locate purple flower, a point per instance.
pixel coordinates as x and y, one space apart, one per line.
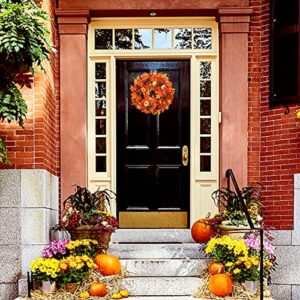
55 249
253 242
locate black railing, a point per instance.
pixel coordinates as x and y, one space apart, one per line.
230 177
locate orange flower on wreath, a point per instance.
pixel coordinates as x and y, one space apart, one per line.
152 93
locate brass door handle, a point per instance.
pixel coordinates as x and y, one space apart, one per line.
185 155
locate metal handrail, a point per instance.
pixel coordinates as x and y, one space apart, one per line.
230 175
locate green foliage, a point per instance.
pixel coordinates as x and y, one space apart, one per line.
24 44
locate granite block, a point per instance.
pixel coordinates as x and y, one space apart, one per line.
8 291
281 292
10 192
10 226
297 181
35 188
28 253
282 237
10 263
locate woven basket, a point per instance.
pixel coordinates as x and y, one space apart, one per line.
90 232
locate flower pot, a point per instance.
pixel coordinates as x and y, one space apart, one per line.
235 232
48 287
71 287
91 232
251 286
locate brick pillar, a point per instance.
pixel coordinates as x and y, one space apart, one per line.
73 25
234 29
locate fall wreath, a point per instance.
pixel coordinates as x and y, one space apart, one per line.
152 93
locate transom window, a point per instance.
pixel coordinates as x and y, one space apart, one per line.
198 38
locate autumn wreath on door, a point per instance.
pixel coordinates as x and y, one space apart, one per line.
152 93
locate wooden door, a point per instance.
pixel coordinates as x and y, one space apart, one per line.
152 182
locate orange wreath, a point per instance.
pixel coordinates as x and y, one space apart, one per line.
152 93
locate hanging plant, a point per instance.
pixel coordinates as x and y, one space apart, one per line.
152 93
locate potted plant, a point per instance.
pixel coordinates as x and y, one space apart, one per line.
87 216
46 271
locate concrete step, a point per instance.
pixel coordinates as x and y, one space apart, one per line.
161 286
152 236
140 251
163 267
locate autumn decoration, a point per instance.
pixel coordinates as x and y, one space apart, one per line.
108 264
201 231
152 93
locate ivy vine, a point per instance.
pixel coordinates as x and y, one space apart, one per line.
25 42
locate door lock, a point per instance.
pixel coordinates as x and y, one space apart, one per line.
185 155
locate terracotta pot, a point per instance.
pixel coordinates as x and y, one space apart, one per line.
71 287
48 287
235 232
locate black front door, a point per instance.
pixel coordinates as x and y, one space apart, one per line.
152 180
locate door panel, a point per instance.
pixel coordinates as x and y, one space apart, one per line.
150 174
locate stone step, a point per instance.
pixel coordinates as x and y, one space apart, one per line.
175 251
152 236
161 286
163 267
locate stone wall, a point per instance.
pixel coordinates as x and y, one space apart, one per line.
286 280
28 209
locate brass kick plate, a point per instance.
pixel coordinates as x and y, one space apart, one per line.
155 219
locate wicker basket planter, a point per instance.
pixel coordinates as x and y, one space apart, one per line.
90 232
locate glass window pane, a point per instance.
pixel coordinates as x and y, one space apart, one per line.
100 126
205 144
205 107
205 69
205 163
143 39
202 38
103 39
205 88
205 126
100 145
100 108
100 70
123 38
162 38
183 38
100 90
100 164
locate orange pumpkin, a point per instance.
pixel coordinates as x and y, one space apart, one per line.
220 285
216 268
201 232
97 289
108 264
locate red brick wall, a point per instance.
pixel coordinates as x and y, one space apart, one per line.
37 146
274 137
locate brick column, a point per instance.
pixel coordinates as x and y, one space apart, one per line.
73 26
234 28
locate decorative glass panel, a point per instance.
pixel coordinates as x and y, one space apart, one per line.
100 145
205 144
205 163
103 39
162 38
143 39
205 126
100 108
100 164
100 90
183 38
100 126
205 89
205 108
123 39
205 69
100 70
202 38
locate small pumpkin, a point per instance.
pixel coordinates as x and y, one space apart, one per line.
108 264
220 285
84 295
201 231
116 296
97 289
216 268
